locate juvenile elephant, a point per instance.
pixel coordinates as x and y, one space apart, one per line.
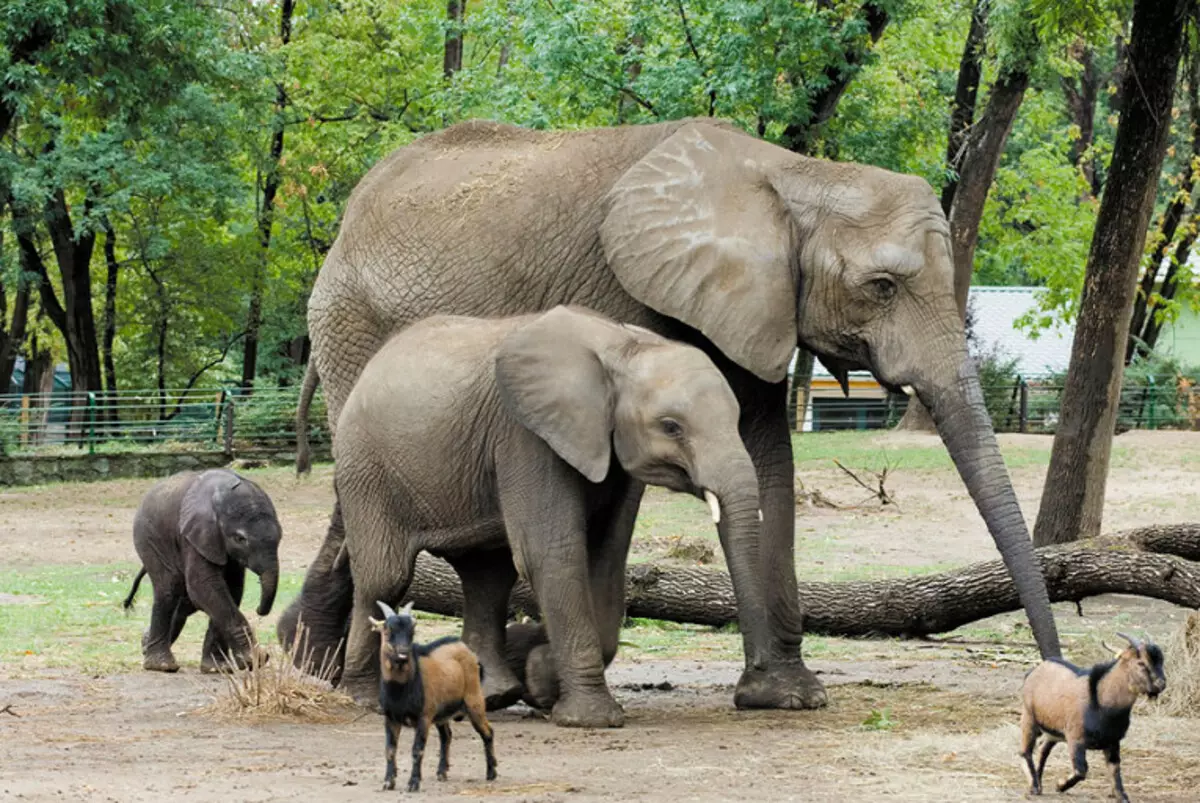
196 534
698 232
471 437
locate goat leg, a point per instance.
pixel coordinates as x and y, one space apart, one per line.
1112 756
1078 763
392 735
418 753
1043 754
443 729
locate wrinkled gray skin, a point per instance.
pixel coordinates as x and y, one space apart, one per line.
700 233
528 441
196 534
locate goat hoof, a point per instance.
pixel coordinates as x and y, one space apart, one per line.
595 711
388 786
441 776
414 786
491 775
789 686
160 663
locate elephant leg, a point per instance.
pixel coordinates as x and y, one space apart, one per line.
608 550
547 525
157 641
487 580
183 609
785 682
213 656
379 576
208 589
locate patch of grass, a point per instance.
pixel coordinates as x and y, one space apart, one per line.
75 618
873 449
878 720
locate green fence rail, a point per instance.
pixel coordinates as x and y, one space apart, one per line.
228 419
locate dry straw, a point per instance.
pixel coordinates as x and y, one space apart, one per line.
1182 664
277 689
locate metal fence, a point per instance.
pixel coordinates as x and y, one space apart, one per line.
232 420
227 419
1023 406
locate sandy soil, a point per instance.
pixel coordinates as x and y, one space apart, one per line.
907 721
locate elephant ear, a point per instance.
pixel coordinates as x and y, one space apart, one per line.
551 379
696 231
198 519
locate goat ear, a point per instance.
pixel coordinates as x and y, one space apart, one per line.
376 624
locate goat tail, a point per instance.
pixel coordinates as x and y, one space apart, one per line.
128 603
303 454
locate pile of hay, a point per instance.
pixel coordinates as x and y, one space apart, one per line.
276 689
1182 664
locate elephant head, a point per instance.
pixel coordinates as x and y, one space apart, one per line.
762 250
226 517
593 390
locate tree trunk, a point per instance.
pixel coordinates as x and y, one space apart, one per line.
1073 496
801 137
266 215
161 323
1153 562
962 110
1081 103
980 159
452 55
74 256
110 322
39 382
1143 325
799 389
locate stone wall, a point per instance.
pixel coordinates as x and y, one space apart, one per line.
41 469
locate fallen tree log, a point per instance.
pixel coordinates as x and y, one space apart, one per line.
908 607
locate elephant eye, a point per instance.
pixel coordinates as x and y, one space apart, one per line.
670 427
883 288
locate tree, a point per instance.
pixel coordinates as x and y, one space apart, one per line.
975 163
1073 498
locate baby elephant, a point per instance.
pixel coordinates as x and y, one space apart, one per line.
524 444
196 534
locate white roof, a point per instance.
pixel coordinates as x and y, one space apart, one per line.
995 311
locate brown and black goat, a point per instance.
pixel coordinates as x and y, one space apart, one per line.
427 684
1086 708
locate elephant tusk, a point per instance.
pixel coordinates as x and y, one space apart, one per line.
760 518
908 390
714 505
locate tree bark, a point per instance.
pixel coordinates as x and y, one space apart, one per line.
266 214
110 321
1081 103
1143 325
1073 496
1152 562
800 137
74 256
980 159
966 90
452 55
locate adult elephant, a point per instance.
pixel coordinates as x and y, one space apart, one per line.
696 231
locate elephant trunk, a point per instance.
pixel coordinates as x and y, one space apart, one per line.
269 582
731 491
955 400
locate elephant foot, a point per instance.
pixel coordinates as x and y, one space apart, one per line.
211 664
791 685
160 662
500 687
595 710
364 693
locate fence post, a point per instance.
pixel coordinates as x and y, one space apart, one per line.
229 425
1024 414
1153 392
91 422
220 414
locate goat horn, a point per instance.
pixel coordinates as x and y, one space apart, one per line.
387 611
1132 641
407 609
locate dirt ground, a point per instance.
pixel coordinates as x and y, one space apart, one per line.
928 720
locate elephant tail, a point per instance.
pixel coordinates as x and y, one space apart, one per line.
133 591
303 455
